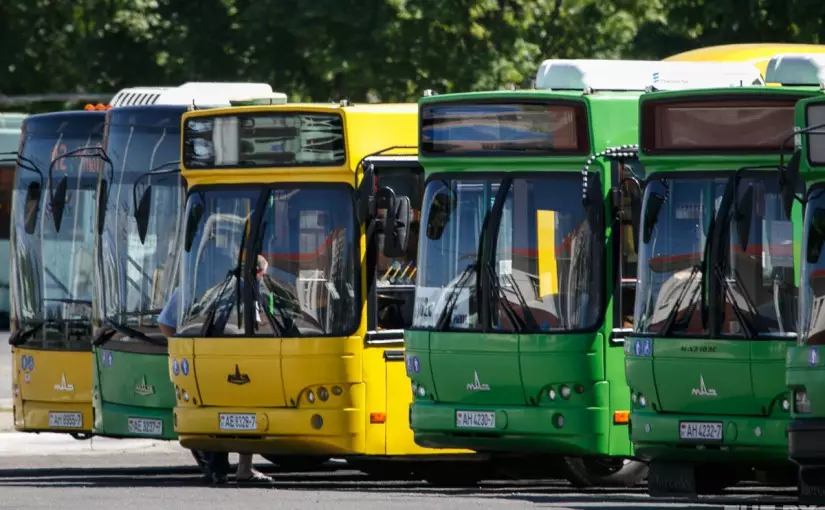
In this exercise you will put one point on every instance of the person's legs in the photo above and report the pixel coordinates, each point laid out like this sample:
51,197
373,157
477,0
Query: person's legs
247,473
218,464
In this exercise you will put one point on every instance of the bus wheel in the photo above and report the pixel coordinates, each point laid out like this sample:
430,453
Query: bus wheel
604,472
811,486
296,464
715,481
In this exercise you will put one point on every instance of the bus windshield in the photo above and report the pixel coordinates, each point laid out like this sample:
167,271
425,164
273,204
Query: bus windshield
307,260
544,273
54,269
755,272
138,277
812,297
673,242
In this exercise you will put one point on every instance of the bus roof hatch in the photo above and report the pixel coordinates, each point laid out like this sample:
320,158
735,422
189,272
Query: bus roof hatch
201,94
641,75
799,69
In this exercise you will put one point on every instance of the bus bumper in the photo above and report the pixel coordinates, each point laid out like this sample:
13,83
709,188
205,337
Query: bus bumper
806,441
59,417
278,431
116,420
567,431
745,439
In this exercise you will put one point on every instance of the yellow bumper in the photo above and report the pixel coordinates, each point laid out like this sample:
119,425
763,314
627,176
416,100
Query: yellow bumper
277,431
33,416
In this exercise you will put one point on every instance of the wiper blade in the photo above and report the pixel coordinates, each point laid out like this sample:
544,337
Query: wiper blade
20,336
209,320
670,321
495,283
104,337
747,326
452,298
528,315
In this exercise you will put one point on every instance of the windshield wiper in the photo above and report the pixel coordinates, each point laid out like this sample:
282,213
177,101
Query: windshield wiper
747,326
670,321
20,336
106,335
528,315
452,298
495,283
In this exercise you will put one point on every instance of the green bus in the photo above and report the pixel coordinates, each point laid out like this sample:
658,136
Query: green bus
137,255
526,269
805,368
716,299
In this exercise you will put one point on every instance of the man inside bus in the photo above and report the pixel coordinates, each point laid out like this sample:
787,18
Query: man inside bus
217,462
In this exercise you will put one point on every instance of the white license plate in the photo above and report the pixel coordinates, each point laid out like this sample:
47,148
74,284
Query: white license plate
238,421
66,420
702,431
475,419
145,427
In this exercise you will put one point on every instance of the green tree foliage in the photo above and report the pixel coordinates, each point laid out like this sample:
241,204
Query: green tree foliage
388,50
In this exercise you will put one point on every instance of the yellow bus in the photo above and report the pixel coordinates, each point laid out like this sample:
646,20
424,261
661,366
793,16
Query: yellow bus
320,204
759,54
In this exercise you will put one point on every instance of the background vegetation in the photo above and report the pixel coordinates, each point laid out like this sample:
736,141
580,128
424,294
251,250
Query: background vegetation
388,50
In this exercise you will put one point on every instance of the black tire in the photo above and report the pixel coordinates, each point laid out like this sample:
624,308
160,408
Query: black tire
296,464
714,482
583,472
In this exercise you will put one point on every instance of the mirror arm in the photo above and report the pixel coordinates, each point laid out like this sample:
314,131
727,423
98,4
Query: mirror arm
621,152
154,171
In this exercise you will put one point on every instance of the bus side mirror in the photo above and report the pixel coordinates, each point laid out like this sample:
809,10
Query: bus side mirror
744,216
58,203
101,205
366,190
192,220
788,183
32,207
816,236
592,202
142,213
654,207
630,204
396,223
441,208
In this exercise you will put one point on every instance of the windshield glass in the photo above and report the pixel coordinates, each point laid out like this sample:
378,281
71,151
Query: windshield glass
52,270
311,281
672,246
545,263
216,220
454,212
138,277
759,264
812,297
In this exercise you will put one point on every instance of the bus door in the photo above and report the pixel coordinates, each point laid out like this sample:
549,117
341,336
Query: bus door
391,291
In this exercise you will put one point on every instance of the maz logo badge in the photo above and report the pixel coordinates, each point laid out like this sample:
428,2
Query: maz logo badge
237,377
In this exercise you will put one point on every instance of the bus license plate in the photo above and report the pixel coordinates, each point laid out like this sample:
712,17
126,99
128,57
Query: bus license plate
703,431
238,421
66,420
475,419
145,427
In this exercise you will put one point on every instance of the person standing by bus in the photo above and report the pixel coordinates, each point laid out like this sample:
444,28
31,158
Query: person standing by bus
217,463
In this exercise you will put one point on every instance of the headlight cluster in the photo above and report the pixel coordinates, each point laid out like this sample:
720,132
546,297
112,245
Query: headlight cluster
638,399
418,390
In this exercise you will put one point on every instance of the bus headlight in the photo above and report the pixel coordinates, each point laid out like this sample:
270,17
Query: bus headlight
311,397
565,392
421,391
323,394
185,396
551,394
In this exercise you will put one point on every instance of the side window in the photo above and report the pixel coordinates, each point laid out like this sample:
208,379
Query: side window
395,276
